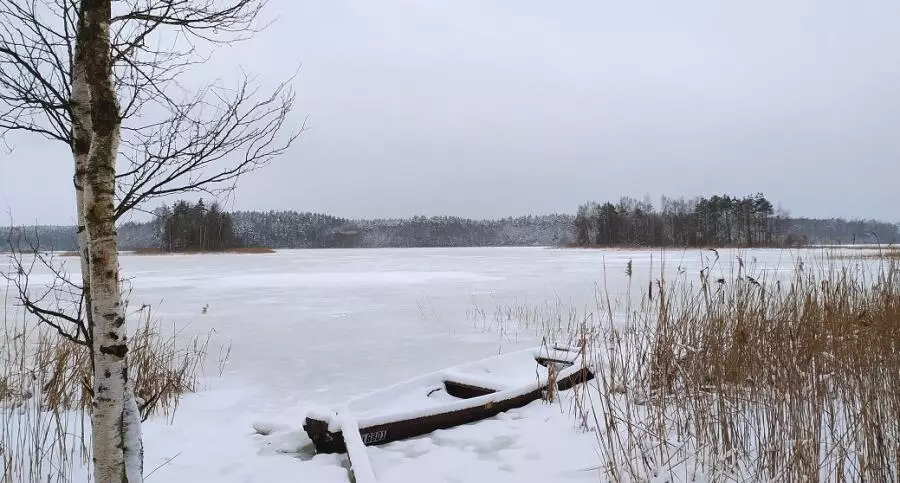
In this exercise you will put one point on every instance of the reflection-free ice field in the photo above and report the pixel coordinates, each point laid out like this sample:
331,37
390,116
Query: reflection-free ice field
309,327
320,325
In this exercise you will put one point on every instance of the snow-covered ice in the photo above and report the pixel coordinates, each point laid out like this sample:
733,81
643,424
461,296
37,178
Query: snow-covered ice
314,327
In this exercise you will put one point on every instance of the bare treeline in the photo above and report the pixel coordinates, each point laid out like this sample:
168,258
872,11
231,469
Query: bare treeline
287,229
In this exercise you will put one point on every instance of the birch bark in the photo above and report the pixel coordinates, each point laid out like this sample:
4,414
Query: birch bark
118,450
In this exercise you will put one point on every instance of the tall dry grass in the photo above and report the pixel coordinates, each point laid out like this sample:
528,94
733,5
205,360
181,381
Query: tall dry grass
45,391
784,381
39,437
741,378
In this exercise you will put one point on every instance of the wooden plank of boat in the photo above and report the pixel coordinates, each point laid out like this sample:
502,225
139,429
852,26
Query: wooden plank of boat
360,467
467,403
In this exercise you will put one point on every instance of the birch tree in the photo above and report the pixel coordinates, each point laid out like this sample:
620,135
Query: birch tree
115,420
72,72
203,142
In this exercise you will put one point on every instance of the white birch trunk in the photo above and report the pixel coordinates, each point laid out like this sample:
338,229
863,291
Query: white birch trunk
118,451
81,144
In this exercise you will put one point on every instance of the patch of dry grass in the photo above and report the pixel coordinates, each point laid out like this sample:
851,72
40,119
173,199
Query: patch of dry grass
740,379
791,381
46,391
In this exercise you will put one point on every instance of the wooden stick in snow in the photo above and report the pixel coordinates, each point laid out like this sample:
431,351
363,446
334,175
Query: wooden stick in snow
356,449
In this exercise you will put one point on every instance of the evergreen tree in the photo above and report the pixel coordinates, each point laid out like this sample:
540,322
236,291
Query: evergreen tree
193,227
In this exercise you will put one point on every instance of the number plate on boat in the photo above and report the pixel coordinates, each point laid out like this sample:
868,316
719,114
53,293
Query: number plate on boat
369,438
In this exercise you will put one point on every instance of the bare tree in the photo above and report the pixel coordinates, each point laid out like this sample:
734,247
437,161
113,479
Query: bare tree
97,79
222,132
202,143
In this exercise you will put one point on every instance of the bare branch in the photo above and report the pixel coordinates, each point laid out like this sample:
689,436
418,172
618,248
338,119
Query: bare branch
204,19
65,295
47,317
36,52
206,146
34,87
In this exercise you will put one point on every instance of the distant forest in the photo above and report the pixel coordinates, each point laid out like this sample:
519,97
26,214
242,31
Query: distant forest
717,221
720,220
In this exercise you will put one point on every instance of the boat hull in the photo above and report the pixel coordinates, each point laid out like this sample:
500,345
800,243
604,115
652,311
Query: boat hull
326,441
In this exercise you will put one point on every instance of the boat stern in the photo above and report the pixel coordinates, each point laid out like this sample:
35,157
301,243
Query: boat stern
324,440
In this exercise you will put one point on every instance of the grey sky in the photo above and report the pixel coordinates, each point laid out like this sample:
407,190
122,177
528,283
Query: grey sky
491,108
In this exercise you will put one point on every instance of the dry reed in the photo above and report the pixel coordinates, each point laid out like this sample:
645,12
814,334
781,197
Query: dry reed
742,378
45,391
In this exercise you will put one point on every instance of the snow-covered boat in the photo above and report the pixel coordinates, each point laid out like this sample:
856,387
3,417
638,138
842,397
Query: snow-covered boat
451,397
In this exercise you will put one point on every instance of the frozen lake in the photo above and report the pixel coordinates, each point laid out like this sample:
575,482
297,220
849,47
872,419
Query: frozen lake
303,323
309,327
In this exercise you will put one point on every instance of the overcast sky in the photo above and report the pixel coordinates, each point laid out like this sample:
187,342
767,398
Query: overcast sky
485,108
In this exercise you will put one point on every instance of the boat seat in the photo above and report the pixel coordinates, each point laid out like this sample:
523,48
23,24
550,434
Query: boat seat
477,380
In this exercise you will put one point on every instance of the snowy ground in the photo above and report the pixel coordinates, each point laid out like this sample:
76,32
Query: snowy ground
315,327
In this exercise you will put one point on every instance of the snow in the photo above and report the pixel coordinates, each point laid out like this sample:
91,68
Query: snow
535,443
133,437
313,328
266,428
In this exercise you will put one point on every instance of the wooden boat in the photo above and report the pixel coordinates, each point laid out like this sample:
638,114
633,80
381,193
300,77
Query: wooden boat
452,397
